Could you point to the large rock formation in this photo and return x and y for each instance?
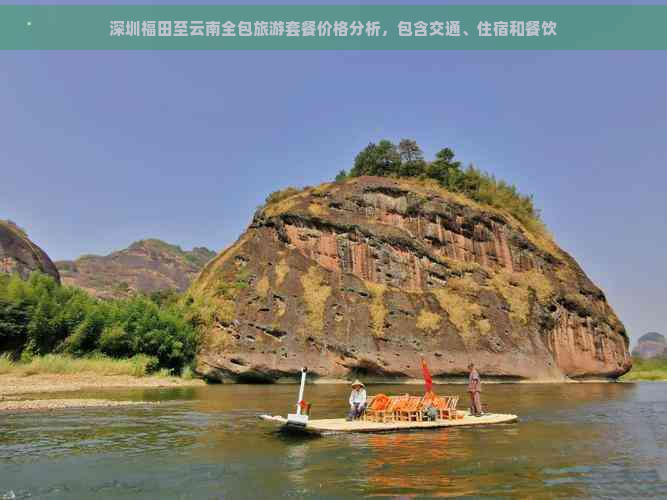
(651, 345)
(145, 266)
(20, 255)
(366, 276)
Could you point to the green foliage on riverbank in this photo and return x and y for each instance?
(406, 159)
(39, 317)
(647, 369)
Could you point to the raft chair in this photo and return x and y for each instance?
(376, 405)
(402, 404)
(388, 413)
(394, 407)
(440, 403)
(454, 414)
(446, 407)
(412, 409)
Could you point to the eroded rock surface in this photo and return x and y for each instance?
(364, 277)
(18, 254)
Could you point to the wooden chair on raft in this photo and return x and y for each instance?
(412, 410)
(446, 406)
(374, 406)
(409, 409)
(383, 408)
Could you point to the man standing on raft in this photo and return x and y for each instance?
(474, 388)
(357, 400)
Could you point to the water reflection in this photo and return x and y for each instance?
(420, 459)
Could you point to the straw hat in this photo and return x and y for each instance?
(357, 383)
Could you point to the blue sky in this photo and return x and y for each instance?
(98, 149)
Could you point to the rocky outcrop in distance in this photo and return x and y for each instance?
(651, 345)
(18, 254)
(146, 266)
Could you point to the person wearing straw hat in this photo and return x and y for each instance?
(357, 400)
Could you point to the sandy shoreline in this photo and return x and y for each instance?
(29, 405)
(19, 394)
(11, 385)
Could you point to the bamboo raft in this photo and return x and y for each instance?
(337, 425)
(387, 413)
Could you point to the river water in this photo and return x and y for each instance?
(572, 441)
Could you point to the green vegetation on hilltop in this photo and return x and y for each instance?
(406, 160)
(39, 317)
(646, 369)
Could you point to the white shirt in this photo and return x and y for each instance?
(358, 396)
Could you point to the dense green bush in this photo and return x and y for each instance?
(380, 159)
(115, 342)
(38, 317)
(407, 160)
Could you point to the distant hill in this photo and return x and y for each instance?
(145, 266)
(651, 345)
(18, 254)
(653, 337)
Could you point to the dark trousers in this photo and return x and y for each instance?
(475, 403)
(356, 410)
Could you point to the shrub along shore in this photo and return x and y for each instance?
(48, 328)
(57, 339)
(646, 369)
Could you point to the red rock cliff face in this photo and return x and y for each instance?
(365, 277)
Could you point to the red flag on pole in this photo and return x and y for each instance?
(428, 381)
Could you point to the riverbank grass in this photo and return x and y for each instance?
(136, 366)
(647, 369)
